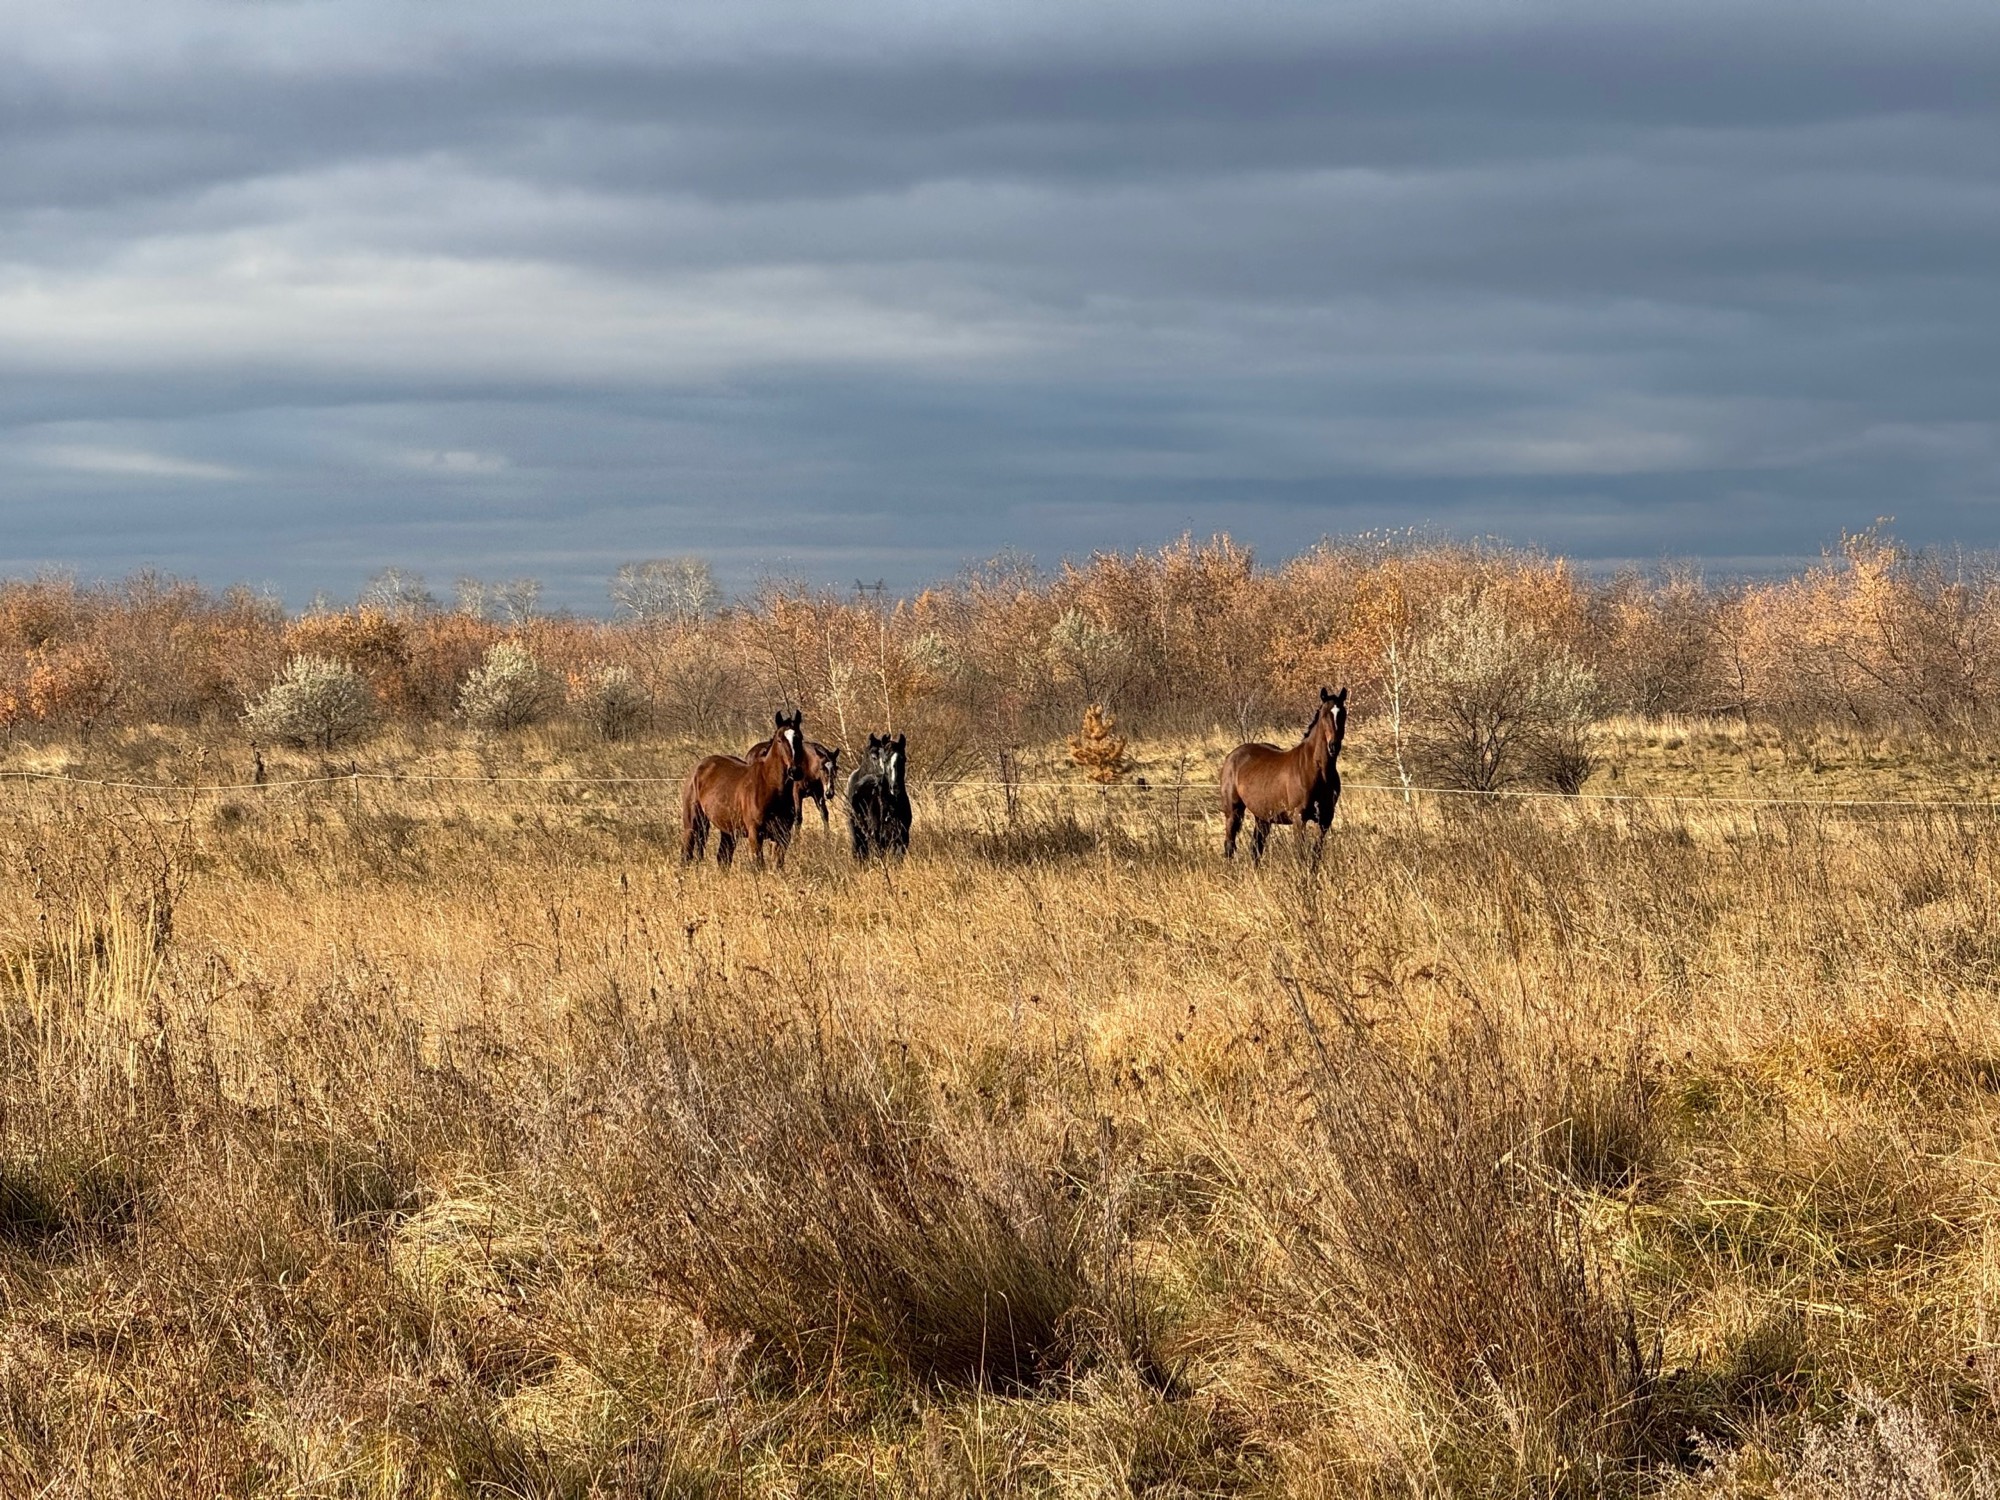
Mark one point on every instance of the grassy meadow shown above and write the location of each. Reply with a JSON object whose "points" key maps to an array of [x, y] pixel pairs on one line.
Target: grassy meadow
{"points": [[439, 1138]]}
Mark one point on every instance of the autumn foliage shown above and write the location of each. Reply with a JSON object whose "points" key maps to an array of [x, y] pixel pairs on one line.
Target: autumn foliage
{"points": [[1190, 637]]}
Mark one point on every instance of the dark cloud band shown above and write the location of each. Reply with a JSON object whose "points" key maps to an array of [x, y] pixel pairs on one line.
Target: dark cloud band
{"points": [[291, 291]]}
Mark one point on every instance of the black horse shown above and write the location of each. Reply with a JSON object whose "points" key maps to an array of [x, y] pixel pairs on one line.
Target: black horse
{"points": [[878, 802]]}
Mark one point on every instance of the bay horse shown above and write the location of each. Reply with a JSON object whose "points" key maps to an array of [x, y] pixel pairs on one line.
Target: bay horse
{"points": [[1300, 785], [748, 796], [878, 800], [816, 779]]}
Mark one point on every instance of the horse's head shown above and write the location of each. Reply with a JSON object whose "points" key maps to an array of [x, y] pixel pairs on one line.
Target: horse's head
{"points": [[829, 762], [789, 741], [895, 760], [1329, 725]]}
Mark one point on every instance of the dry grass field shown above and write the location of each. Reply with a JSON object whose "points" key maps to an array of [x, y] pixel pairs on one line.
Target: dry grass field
{"points": [[449, 1138]]}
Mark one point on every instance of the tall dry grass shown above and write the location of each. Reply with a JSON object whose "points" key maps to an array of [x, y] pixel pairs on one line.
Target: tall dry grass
{"points": [[452, 1139]]}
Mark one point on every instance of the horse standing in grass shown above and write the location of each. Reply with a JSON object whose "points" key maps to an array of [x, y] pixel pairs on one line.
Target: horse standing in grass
{"points": [[816, 779], [878, 801], [746, 796], [1300, 785]]}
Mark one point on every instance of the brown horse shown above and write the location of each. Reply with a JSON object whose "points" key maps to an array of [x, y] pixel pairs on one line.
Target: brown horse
{"points": [[1300, 785], [747, 796], [816, 779]]}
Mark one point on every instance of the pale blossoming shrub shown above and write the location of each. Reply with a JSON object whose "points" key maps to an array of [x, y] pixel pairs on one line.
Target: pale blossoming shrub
{"points": [[1084, 652], [318, 702], [1494, 704], [510, 689]]}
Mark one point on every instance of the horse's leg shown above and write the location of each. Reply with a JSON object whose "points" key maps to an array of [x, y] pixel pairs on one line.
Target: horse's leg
{"points": [[825, 817], [725, 848], [1231, 828], [1258, 834], [694, 839]]}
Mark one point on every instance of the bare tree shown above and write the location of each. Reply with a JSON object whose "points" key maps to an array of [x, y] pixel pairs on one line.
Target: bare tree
{"points": [[397, 591], [1395, 658], [470, 596], [513, 601], [517, 600], [666, 590]]}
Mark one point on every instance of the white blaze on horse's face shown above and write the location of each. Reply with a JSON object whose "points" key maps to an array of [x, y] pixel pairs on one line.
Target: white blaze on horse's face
{"points": [[1333, 713]]}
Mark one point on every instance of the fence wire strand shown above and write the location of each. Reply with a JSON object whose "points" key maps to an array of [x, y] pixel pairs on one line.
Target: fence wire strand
{"points": [[361, 778]]}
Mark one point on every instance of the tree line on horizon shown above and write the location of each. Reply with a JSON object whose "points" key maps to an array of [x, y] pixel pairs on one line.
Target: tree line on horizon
{"points": [[1486, 662]]}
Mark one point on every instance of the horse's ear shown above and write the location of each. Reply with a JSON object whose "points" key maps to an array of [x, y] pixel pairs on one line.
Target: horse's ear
{"points": [[1341, 697], [901, 741], [778, 718], [1325, 696]]}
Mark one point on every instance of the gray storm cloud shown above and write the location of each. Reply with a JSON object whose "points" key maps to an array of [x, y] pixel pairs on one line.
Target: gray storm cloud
{"points": [[289, 291]]}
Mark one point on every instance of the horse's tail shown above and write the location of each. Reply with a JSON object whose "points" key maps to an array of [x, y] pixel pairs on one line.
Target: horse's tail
{"points": [[1228, 784], [694, 822]]}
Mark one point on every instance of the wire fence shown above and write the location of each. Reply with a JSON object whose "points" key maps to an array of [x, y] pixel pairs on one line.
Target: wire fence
{"points": [[1179, 790]]}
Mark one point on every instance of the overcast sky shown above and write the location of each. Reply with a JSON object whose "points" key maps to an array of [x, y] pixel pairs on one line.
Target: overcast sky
{"points": [[294, 290]]}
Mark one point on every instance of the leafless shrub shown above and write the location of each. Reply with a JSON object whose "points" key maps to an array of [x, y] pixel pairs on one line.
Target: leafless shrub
{"points": [[1657, 644], [697, 684], [611, 701]]}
